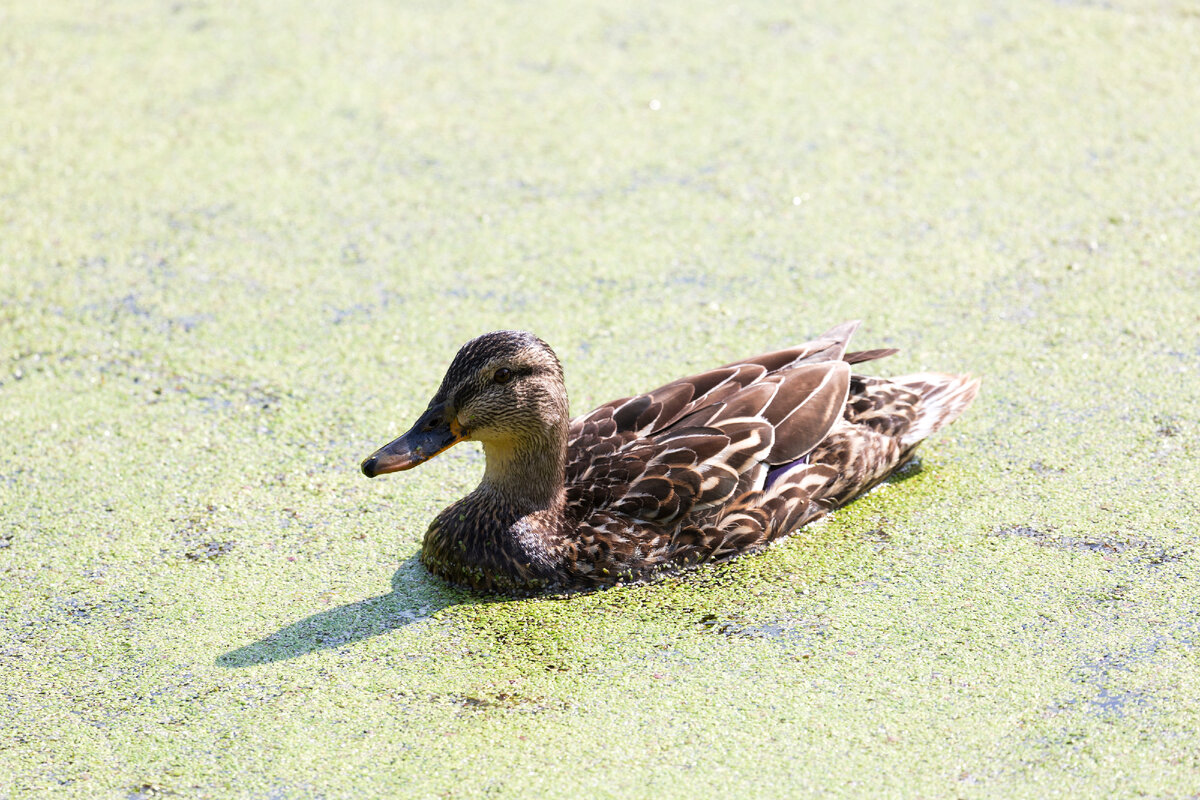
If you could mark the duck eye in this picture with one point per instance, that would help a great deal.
(502, 375)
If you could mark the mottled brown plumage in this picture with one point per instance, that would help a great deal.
(699, 470)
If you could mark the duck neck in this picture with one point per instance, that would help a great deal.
(527, 473)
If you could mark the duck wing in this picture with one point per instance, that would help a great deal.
(696, 444)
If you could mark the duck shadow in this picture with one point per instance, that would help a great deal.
(415, 597)
(906, 471)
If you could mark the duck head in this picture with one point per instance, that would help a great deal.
(504, 389)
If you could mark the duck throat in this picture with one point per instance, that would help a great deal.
(527, 474)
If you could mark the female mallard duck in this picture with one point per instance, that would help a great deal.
(702, 469)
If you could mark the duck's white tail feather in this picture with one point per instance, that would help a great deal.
(943, 399)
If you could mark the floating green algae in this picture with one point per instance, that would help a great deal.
(239, 244)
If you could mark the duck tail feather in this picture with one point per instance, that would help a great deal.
(943, 399)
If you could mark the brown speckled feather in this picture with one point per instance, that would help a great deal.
(701, 469)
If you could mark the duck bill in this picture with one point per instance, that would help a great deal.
(431, 434)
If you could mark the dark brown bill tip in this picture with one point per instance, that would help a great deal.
(369, 467)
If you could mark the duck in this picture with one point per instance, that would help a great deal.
(700, 470)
